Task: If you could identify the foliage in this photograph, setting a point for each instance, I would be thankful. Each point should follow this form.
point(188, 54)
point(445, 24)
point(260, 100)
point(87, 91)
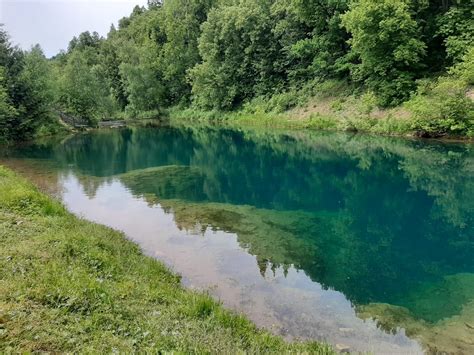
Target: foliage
point(110, 64)
point(456, 26)
point(465, 69)
point(138, 46)
point(153, 50)
point(256, 57)
point(443, 106)
point(84, 41)
point(386, 38)
point(181, 27)
point(238, 49)
point(25, 90)
point(82, 94)
point(36, 79)
point(7, 111)
point(325, 50)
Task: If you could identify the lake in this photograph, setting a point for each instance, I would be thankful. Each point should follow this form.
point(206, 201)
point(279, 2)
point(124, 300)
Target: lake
point(364, 242)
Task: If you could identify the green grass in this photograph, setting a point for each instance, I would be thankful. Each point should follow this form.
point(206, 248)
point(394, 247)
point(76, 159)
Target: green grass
point(331, 121)
point(69, 285)
point(441, 108)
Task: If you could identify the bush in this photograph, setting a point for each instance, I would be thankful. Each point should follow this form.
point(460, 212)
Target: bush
point(465, 69)
point(387, 40)
point(277, 103)
point(442, 108)
point(317, 121)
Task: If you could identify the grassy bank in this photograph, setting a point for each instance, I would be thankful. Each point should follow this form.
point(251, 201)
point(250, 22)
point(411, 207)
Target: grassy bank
point(316, 115)
point(442, 107)
point(71, 285)
point(320, 114)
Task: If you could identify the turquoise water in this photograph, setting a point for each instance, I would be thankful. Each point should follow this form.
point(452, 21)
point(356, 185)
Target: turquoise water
point(383, 225)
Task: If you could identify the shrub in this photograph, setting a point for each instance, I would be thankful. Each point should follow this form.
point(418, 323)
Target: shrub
point(442, 108)
point(465, 69)
point(318, 121)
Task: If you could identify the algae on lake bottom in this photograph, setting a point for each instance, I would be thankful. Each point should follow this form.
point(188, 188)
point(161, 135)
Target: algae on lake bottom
point(433, 308)
point(383, 221)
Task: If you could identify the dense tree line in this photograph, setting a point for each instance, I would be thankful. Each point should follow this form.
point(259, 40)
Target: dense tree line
point(222, 54)
point(25, 90)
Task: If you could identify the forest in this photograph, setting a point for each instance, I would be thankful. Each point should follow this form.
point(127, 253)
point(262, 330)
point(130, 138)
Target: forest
point(411, 58)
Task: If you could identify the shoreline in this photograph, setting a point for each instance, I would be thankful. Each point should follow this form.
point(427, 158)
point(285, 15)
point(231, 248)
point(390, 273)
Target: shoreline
point(283, 121)
point(74, 285)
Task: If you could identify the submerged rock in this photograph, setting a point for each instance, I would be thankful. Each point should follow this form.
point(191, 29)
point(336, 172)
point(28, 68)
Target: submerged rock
point(343, 348)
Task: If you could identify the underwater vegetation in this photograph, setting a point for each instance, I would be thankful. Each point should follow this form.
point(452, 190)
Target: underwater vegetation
point(387, 222)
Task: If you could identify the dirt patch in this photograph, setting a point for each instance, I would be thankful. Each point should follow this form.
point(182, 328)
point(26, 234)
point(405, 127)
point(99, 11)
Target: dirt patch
point(315, 106)
point(470, 93)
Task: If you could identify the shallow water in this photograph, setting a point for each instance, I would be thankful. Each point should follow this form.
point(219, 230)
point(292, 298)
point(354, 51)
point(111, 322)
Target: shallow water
point(364, 242)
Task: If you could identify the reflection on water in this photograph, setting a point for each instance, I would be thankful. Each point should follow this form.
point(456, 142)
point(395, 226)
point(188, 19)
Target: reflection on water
point(361, 241)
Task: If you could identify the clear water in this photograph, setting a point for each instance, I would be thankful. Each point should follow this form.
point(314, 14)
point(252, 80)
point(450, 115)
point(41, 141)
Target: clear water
point(364, 242)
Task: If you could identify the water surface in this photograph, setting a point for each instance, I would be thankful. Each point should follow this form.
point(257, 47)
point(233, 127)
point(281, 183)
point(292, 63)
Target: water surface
point(364, 242)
